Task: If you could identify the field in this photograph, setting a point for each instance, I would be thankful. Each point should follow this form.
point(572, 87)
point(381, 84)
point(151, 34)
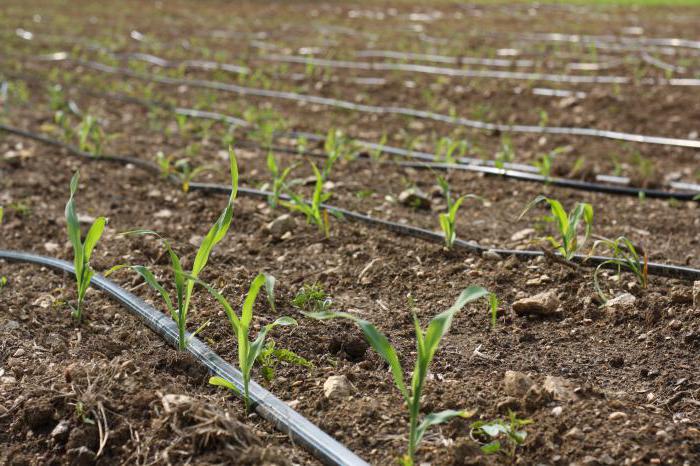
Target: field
point(356, 129)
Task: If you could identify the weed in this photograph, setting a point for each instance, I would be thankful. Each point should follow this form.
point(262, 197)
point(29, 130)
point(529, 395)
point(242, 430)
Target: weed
point(312, 298)
point(248, 352)
point(313, 211)
point(270, 357)
point(81, 250)
point(427, 342)
point(184, 282)
point(567, 225)
point(511, 430)
point(624, 256)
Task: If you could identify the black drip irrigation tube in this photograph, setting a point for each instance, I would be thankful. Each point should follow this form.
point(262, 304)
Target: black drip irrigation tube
point(376, 109)
point(267, 406)
point(664, 270)
point(517, 171)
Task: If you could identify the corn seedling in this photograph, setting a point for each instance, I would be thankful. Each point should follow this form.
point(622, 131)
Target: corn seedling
point(181, 120)
point(567, 225)
point(493, 306)
point(427, 342)
point(335, 146)
point(376, 152)
point(544, 165)
point(270, 357)
point(448, 150)
point(312, 298)
point(184, 282)
point(3, 282)
point(278, 178)
point(624, 256)
point(248, 352)
point(510, 430)
point(447, 220)
point(314, 212)
point(506, 152)
point(181, 169)
point(57, 98)
point(90, 136)
point(2, 212)
point(81, 250)
point(63, 122)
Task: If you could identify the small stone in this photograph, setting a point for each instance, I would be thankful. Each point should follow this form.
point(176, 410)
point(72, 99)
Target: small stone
point(675, 324)
point(681, 295)
point(413, 197)
point(50, 246)
point(696, 294)
point(516, 383)
point(337, 386)
point(19, 353)
point(557, 410)
point(559, 388)
point(60, 432)
point(11, 325)
point(86, 219)
point(172, 400)
point(163, 213)
point(539, 280)
point(661, 435)
point(491, 255)
point(617, 415)
point(522, 234)
point(574, 433)
point(622, 302)
point(606, 459)
point(543, 304)
point(7, 380)
point(281, 225)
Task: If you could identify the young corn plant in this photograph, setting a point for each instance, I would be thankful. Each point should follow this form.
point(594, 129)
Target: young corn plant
point(278, 179)
point(447, 219)
point(248, 351)
point(314, 212)
point(427, 342)
point(493, 306)
point(183, 281)
point(90, 136)
point(81, 250)
point(567, 243)
point(624, 256)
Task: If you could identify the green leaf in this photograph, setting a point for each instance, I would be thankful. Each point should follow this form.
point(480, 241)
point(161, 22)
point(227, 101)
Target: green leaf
point(221, 382)
point(247, 311)
point(441, 417)
point(491, 448)
point(153, 282)
point(270, 291)
point(93, 236)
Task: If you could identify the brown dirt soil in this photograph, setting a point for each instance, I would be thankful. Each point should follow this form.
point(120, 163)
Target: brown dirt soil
point(632, 373)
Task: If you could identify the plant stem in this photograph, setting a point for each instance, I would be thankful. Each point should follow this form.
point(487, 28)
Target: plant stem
point(413, 428)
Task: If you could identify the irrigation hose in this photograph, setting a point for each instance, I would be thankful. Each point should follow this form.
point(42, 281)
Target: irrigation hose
point(672, 271)
point(375, 109)
point(616, 185)
point(267, 406)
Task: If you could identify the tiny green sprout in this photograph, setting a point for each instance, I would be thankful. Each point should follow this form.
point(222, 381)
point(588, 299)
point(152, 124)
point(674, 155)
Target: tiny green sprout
point(81, 250)
point(696, 197)
point(493, 305)
point(3, 282)
point(181, 120)
point(506, 152)
point(90, 136)
point(427, 342)
point(313, 211)
point(544, 117)
point(624, 256)
point(312, 297)
point(376, 152)
point(510, 430)
point(57, 98)
point(271, 356)
point(278, 179)
point(449, 150)
point(184, 170)
point(447, 220)
point(184, 282)
point(567, 225)
point(302, 144)
point(2, 212)
point(248, 352)
point(62, 121)
point(544, 165)
point(336, 146)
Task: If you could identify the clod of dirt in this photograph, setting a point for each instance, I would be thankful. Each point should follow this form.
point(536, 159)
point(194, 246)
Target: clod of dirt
point(84, 436)
point(337, 387)
point(172, 401)
point(182, 363)
point(81, 456)
point(623, 302)
point(466, 453)
point(559, 388)
point(38, 414)
point(281, 225)
point(542, 304)
point(414, 197)
point(352, 346)
point(517, 384)
point(61, 431)
point(491, 255)
point(509, 404)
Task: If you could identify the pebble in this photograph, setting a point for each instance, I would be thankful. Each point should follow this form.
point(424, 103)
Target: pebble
point(163, 213)
point(543, 304)
point(281, 226)
point(413, 197)
point(617, 415)
point(491, 255)
point(622, 302)
point(696, 294)
point(522, 234)
point(557, 410)
point(559, 388)
point(50, 246)
point(337, 386)
point(19, 353)
point(60, 432)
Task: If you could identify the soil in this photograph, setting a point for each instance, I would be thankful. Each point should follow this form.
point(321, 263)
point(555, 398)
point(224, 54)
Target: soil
point(633, 372)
